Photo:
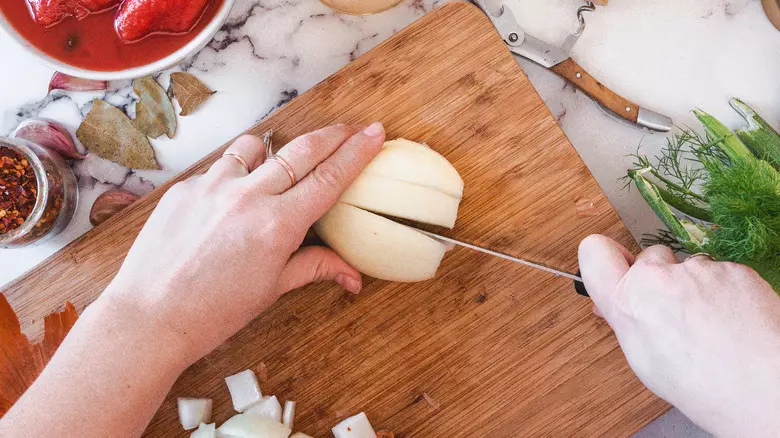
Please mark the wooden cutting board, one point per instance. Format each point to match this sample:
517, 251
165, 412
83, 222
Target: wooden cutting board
488, 348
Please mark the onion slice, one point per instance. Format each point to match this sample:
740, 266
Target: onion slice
252, 426
244, 389
205, 431
194, 411
268, 407
356, 426
289, 414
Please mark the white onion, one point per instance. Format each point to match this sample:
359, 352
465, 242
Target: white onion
267, 407
244, 389
252, 426
356, 426
194, 411
289, 414
205, 431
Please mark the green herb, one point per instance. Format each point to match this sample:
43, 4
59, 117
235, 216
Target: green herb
727, 182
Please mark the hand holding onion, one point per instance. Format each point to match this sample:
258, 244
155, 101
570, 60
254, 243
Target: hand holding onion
222, 247
218, 250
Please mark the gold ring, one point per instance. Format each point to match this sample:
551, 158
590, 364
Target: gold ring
240, 159
699, 254
282, 162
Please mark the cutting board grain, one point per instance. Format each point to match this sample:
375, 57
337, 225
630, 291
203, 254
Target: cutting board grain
488, 348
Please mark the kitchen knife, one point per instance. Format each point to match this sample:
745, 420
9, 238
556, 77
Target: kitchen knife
579, 286
559, 60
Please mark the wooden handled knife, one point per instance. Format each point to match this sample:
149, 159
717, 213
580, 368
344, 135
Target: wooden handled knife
559, 60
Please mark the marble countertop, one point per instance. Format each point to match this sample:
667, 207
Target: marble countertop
667, 55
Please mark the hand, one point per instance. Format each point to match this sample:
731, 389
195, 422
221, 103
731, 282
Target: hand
223, 246
703, 335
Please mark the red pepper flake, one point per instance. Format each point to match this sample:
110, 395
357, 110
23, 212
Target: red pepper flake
18, 189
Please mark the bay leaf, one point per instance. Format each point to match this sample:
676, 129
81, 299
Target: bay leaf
110, 134
154, 112
189, 91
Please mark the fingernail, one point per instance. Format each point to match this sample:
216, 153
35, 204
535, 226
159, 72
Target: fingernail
374, 130
350, 284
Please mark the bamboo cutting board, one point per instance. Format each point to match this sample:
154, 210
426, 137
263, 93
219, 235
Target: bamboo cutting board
488, 348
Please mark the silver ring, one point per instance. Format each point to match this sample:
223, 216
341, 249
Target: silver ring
240, 159
699, 254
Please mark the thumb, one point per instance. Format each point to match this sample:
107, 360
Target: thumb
603, 263
316, 263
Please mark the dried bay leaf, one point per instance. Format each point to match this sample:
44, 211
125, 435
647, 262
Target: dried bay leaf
189, 91
22, 362
110, 134
154, 112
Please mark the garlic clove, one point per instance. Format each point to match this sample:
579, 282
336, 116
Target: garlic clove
51, 135
61, 81
109, 204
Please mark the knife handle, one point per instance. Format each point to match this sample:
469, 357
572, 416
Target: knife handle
579, 286
617, 104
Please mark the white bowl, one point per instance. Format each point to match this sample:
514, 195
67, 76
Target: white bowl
195, 45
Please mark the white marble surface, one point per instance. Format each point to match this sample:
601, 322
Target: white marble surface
667, 55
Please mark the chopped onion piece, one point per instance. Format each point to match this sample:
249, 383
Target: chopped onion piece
267, 407
356, 426
205, 431
244, 389
249, 425
194, 411
300, 435
289, 413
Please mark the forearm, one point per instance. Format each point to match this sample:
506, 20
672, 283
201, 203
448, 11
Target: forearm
108, 378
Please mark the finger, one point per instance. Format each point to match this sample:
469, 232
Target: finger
249, 148
657, 255
325, 184
603, 265
317, 263
302, 154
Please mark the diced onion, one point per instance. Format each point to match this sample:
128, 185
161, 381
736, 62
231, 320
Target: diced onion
289, 414
244, 389
267, 407
205, 431
249, 425
194, 411
356, 426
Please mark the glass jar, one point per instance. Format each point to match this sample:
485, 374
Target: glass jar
57, 195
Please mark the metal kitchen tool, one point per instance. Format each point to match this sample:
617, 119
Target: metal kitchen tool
559, 60
579, 285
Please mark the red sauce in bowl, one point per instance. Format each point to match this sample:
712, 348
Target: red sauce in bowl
92, 43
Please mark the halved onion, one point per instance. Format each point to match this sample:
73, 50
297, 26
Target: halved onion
402, 199
268, 407
356, 426
194, 411
249, 425
379, 247
244, 389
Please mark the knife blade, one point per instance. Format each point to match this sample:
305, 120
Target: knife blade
535, 265
579, 285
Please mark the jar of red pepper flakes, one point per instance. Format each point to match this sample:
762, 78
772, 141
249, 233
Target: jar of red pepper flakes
38, 193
